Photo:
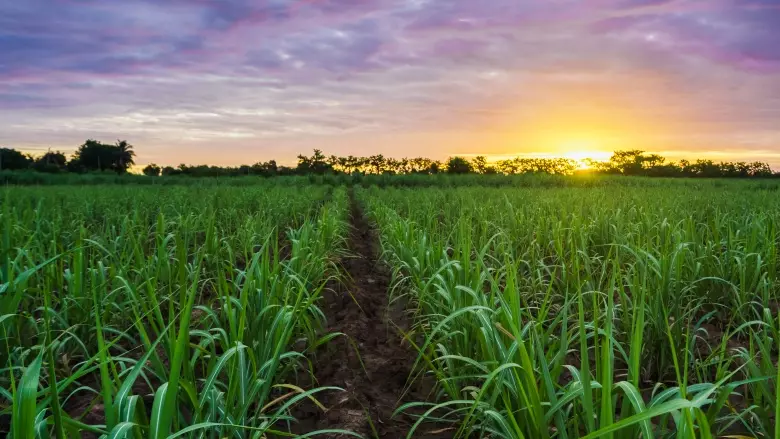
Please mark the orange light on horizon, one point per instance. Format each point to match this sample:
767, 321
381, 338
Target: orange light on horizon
584, 121
582, 150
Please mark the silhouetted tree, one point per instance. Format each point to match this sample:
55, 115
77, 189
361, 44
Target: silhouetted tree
509, 166
759, 169
481, 166
13, 159
670, 169
391, 166
170, 170
652, 160
93, 155
124, 156
479, 163
705, 168
522, 165
347, 165
458, 165
636, 162
316, 164
51, 162
376, 163
627, 162
96, 156
152, 170
333, 161
265, 169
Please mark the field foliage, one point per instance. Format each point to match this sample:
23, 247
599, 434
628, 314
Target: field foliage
162, 312
542, 306
613, 312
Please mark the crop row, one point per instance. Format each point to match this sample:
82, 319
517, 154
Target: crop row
162, 312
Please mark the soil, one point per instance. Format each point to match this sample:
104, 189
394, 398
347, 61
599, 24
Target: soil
375, 377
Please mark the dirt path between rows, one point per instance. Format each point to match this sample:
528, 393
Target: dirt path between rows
375, 379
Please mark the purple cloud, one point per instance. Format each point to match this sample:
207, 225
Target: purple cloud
641, 3
269, 76
733, 35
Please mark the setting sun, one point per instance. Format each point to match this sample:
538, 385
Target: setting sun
580, 122
582, 149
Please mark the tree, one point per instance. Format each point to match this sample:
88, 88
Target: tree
266, 169
481, 166
479, 163
316, 164
152, 170
392, 166
458, 165
349, 164
685, 168
13, 159
377, 163
508, 167
95, 156
418, 165
51, 162
74, 165
170, 170
124, 156
670, 169
705, 168
333, 161
627, 162
652, 160
759, 169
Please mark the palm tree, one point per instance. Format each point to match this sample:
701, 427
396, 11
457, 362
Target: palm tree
125, 154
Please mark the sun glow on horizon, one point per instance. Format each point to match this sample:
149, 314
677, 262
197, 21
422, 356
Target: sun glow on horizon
579, 122
582, 151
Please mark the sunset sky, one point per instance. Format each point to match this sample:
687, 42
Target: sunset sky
241, 81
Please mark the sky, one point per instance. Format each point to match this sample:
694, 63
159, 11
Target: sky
239, 81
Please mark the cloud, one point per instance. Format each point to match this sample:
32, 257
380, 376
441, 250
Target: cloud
269, 76
734, 35
640, 3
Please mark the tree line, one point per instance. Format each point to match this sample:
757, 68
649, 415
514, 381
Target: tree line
637, 162
91, 156
634, 162
95, 156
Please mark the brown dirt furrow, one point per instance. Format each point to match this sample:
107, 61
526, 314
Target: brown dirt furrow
374, 377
